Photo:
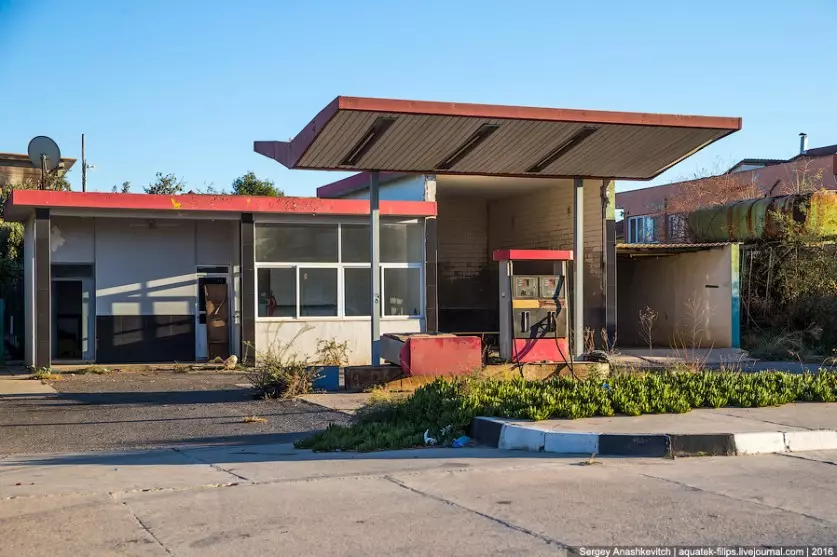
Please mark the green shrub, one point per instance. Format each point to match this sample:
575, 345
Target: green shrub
445, 408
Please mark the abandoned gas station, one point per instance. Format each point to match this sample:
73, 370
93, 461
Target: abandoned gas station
476, 220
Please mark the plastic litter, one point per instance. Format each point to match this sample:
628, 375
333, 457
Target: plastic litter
429, 440
461, 442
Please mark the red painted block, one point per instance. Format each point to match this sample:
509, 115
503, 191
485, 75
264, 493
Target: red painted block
528, 350
441, 355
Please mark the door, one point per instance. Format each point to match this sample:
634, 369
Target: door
68, 319
212, 331
217, 321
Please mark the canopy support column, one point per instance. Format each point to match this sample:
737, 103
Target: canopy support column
375, 253
578, 267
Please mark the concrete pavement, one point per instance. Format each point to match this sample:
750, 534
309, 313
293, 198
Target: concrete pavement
127, 410
274, 499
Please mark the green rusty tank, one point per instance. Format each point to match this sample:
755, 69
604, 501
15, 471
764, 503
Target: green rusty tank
756, 219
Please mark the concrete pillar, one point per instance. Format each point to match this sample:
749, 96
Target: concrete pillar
431, 300
248, 288
578, 268
29, 292
609, 255
375, 253
43, 290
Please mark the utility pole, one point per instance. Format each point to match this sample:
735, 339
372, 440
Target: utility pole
83, 166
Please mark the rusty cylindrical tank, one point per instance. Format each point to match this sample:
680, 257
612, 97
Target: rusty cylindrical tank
756, 219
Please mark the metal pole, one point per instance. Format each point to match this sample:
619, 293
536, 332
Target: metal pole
83, 166
375, 253
43, 172
578, 267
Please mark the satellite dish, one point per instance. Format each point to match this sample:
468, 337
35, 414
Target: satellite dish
44, 153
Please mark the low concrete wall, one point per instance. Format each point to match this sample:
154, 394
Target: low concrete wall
695, 295
355, 332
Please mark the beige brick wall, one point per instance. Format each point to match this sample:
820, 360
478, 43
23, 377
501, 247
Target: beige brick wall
544, 220
463, 257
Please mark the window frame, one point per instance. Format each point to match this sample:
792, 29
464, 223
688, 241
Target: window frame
640, 226
341, 268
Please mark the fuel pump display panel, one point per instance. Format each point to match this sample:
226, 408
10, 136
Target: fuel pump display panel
539, 307
525, 287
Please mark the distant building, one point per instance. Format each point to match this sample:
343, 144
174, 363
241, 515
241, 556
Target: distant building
651, 214
18, 169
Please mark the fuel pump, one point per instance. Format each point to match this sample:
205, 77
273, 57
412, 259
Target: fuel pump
533, 307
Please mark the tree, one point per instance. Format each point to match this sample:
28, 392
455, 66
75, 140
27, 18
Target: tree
11, 233
124, 188
168, 184
249, 184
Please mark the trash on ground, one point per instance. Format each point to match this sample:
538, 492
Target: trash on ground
429, 440
460, 442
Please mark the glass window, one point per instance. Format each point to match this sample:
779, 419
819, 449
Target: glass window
296, 243
317, 292
358, 291
402, 291
277, 292
355, 238
400, 243
642, 230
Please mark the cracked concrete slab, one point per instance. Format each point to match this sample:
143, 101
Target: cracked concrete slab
34, 475
355, 516
803, 486
615, 505
89, 525
261, 463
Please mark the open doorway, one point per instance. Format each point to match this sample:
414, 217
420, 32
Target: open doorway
212, 331
72, 313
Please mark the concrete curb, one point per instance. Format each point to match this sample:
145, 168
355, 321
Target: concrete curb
509, 434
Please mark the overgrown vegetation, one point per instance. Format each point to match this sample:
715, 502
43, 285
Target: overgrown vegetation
281, 372
447, 407
789, 289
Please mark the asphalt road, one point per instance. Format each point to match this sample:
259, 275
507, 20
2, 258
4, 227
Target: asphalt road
132, 409
275, 500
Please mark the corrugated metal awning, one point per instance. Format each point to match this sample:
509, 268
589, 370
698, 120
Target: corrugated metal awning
450, 138
662, 249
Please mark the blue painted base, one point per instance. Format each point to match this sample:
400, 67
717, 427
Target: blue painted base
327, 379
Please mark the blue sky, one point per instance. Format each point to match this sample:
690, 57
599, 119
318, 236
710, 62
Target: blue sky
185, 86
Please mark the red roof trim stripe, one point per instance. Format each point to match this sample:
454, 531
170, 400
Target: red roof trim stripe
366, 104
532, 255
220, 203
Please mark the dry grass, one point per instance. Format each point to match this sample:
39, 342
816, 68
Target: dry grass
254, 420
45, 374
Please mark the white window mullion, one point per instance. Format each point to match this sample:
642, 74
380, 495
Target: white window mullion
298, 288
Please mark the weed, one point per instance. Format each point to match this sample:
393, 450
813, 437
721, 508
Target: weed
95, 370
180, 368
281, 372
254, 420
589, 340
647, 320
46, 374
609, 342
332, 353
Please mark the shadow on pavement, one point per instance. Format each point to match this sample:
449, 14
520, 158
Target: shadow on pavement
261, 448
145, 397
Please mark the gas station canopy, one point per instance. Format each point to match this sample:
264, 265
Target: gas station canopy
356, 134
